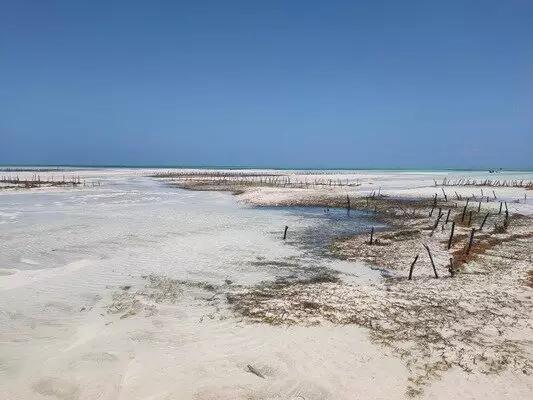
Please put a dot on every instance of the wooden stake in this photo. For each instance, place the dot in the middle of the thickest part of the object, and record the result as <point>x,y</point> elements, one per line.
<point>479,207</point>
<point>285,233</point>
<point>484,220</point>
<point>371,236</point>
<point>464,212</point>
<point>437,221</point>
<point>448,216</point>
<point>471,240</point>
<point>501,204</point>
<point>412,267</point>
<point>432,263</point>
<point>451,236</point>
<point>451,268</point>
<point>470,217</point>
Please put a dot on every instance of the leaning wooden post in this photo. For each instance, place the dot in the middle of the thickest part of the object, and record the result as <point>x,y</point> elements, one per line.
<point>479,207</point>
<point>500,212</point>
<point>451,268</point>
<point>471,240</point>
<point>371,236</point>
<point>464,212</point>
<point>484,220</point>
<point>432,263</point>
<point>448,216</point>
<point>470,217</point>
<point>451,236</point>
<point>445,197</point>
<point>412,267</point>
<point>506,211</point>
<point>285,233</point>
<point>437,220</point>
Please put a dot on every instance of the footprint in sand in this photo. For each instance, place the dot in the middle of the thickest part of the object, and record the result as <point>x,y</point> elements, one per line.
<point>103,357</point>
<point>58,388</point>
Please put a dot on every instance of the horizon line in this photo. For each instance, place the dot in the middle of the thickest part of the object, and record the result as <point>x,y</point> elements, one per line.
<point>298,168</point>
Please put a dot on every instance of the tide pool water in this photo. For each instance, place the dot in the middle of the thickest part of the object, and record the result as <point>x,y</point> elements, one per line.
<point>65,254</point>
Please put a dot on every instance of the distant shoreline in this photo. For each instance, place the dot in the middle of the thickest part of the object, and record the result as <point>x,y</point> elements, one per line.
<point>255,167</point>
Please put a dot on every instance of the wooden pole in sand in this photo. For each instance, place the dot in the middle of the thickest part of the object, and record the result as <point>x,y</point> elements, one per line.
<point>448,216</point>
<point>445,197</point>
<point>464,212</point>
<point>500,212</point>
<point>371,236</point>
<point>470,217</point>
<point>479,207</point>
<point>431,258</point>
<point>285,232</point>
<point>484,220</point>
<point>348,202</point>
<point>451,268</point>
<point>412,267</point>
<point>451,236</point>
<point>437,221</point>
<point>506,211</point>
<point>471,240</point>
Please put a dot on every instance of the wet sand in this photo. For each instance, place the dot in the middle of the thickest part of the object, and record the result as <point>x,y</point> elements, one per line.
<point>139,290</point>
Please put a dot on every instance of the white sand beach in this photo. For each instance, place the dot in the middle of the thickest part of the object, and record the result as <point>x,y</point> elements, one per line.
<point>116,289</point>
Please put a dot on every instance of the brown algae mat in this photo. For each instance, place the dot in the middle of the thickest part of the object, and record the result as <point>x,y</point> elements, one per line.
<point>477,316</point>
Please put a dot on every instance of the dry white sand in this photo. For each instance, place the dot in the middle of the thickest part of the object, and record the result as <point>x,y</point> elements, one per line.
<point>72,328</point>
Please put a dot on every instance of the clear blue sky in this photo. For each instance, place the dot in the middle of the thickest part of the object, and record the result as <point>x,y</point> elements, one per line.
<point>266,83</point>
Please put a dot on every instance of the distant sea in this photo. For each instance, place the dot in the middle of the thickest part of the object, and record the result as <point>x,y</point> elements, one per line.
<point>279,168</point>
